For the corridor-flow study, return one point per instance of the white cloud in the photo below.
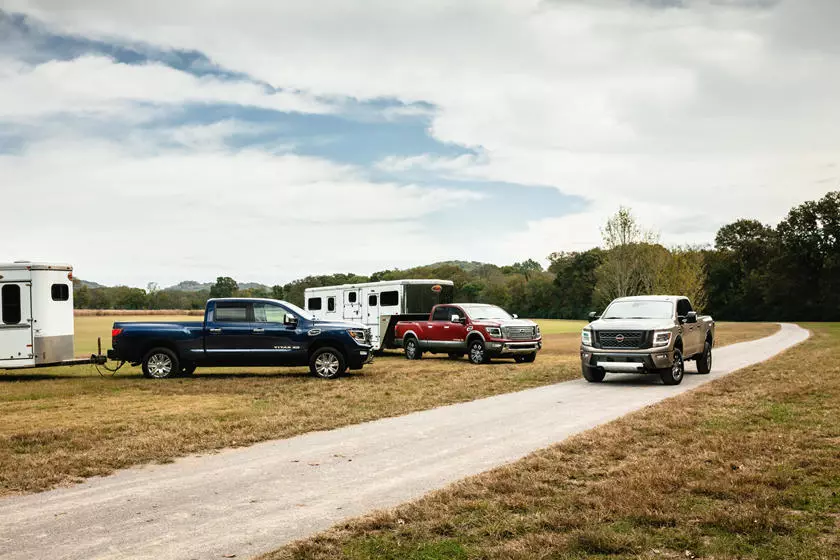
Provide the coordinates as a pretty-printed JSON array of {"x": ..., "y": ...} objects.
[
  {"x": 693, "y": 116},
  {"x": 101, "y": 86}
]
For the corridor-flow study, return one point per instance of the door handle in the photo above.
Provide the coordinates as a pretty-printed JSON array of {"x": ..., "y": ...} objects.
[
  {"x": 215, "y": 331},
  {"x": 259, "y": 331}
]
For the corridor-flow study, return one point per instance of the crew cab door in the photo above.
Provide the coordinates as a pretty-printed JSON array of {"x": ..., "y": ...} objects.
[
  {"x": 276, "y": 338},
  {"x": 15, "y": 321},
  {"x": 228, "y": 337},
  {"x": 443, "y": 333},
  {"x": 692, "y": 332}
]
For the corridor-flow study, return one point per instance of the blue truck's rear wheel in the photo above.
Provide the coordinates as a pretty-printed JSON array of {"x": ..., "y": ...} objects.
[{"x": 161, "y": 363}]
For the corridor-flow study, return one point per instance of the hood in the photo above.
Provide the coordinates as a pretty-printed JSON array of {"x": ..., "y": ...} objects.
[
  {"x": 630, "y": 324},
  {"x": 337, "y": 325},
  {"x": 505, "y": 323}
]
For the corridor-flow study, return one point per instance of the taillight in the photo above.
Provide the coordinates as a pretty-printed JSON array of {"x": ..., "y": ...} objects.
[{"x": 116, "y": 332}]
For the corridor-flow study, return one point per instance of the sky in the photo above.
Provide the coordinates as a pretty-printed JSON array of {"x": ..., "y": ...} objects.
[{"x": 159, "y": 141}]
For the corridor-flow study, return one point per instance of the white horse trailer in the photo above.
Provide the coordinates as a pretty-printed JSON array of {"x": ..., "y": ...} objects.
[
  {"x": 378, "y": 305},
  {"x": 36, "y": 315}
]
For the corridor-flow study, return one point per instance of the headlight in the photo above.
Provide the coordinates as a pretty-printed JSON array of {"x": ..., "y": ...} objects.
[
  {"x": 494, "y": 332},
  {"x": 358, "y": 335},
  {"x": 586, "y": 338},
  {"x": 537, "y": 331},
  {"x": 661, "y": 338}
]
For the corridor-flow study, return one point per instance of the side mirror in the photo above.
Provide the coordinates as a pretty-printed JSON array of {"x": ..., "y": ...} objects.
[
  {"x": 691, "y": 317},
  {"x": 593, "y": 316},
  {"x": 515, "y": 316},
  {"x": 290, "y": 320},
  {"x": 456, "y": 319}
]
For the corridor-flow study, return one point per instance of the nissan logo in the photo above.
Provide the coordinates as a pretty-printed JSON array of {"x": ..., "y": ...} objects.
[{"x": 619, "y": 338}]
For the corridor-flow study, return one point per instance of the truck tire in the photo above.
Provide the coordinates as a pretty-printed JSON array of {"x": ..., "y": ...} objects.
[
  {"x": 327, "y": 363},
  {"x": 674, "y": 374},
  {"x": 412, "y": 349},
  {"x": 161, "y": 363},
  {"x": 704, "y": 360},
  {"x": 526, "y": 358},
  {"x": 477, "y": 353},
  {"x": 591, "y": 374}
]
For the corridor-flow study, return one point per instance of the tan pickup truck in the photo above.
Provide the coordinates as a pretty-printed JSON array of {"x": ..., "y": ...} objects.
[{"x": 647, "y": 334}]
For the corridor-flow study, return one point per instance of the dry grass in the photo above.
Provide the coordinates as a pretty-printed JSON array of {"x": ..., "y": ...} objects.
[
  {"x": 64, "y": 424},
  {"x": 745, "y": 467}
]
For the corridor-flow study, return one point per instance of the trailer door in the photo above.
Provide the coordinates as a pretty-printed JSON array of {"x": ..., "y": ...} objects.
[
  {"x": 15, "y": 321},
  {"x": 353, "y": 305}
]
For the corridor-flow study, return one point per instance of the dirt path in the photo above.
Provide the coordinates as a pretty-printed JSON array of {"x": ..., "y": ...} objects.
[{"x": 246, "y": 501}]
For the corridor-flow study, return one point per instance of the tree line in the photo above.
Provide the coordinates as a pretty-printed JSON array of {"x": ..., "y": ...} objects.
[{"x": 754, "y": 271}]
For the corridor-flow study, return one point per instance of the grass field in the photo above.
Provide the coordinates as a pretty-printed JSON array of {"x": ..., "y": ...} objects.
[
  {"x": 64, "y": 424},
  {"x": 746, "y": 467}
]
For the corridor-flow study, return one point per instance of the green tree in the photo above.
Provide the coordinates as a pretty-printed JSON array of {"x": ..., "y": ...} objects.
[
  {"x": 277, "y": 292},
  {"x": 225, "y": 286}
]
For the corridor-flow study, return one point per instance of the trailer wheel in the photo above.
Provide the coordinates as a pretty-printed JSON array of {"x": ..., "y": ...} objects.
[
  {"x": 327, "y": 363},
  {"x": 161, "y": 363}
]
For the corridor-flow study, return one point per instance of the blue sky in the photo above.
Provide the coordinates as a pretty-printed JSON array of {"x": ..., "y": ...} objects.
[{"x": 273, "y": 141}]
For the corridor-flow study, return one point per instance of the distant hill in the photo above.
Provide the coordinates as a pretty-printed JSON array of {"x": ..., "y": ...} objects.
[
  {"x": 467, "y": 266},
  {"x": 193, "y": 286},
  {"x": 89, "y": 284}
]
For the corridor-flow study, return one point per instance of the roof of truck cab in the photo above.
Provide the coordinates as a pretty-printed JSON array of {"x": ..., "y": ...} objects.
[
  {"x": 382, "y": 283},
  {"x": 651, "y": 298},
  {"x": 26, "y": 265}
]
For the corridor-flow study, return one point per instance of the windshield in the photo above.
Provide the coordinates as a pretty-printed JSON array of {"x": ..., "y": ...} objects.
[
  {"x": 639, "y": 309},
  {"x": 295, "y": 309},
  {"x": 481, "y": 312}
]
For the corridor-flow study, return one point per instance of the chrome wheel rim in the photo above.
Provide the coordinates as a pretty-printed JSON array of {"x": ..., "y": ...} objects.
[
  {"x": 160, "y": 365},
  {"x": 477, "y": 353},
  {"x": 676, "y": 369},
  {"x": 410, "y": 349},
  {"x": 326, "y": 365}
]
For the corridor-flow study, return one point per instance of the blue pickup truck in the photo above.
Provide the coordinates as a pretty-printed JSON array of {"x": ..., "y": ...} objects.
[{"x": 243, "y": 332}]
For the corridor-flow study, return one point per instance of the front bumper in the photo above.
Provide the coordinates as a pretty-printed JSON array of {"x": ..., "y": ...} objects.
[
  {"x": 639, "y": 361},
  {"x": 513, "y": 348}
]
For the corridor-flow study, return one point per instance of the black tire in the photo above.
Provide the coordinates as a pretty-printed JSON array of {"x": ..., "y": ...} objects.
[
  {"x": 455, "y": 355},
  {"x": 525, "y": 358},
  {"x": 327, "y": 363},
  {"x": 704, "y": 360},
  {"x": 591, "y": 374},
  {"x": 187, "y": 369},
  {"x": 477, "y": 353},
  {"x": 411, "y": 347},
  {"x": 674, "y": 374},
  {"x": 161, "y": 363}
]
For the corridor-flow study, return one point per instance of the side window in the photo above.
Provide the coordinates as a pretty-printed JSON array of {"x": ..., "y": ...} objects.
[
  {"x": 441, "y": 314},
  {"x": 314, "y": 304},
  {"x": 11, "y": 304},
  {"x": 60, "y": 292},
  {"x": 373, "y": 301},
  {"x": 231, "y": 313},
  {"x": 389, "y": 298},
  {"x": 267, "y": 313},
  {"x": 683, "y": 307},
  {"x": 351, "y": 297},
  {"x": 455, "y": 311},
  {"x": 331, "y": 303}
]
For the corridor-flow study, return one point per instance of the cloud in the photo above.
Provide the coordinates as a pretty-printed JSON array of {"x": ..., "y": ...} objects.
[{"x": 100, "y": 86}]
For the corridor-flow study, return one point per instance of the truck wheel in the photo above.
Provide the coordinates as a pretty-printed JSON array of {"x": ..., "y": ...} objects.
[
  {"x": 161, "y": 363},
  {"x": 412, "y": 349},
  {"x": 478, "y": 354},
  {"x": 704, "y": 361},
  {"x": 591, "y": 374},
  {"x": 327, "y": 363},
  {"x": 526, "y": 358},
  {"x": 187, "y": 369},
  {"x": 674, "y": 374}
]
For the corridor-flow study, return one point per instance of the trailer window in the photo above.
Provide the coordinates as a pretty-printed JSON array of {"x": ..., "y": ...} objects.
[
  {"x": 236, "y": 313},
  {"x": 372, "y": 300},
  {"x": 351, "y": 297},
  {"x": 11, "y": 304},
  {"x": 389, "y": 298},
  {"x": 330, "y": 304},
  {"x": 60, "y": 292},
  {"x": 314, "y": 304}
]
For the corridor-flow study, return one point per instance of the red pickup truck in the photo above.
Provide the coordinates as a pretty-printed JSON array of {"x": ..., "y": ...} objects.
[{"x": 480, "y": 331}]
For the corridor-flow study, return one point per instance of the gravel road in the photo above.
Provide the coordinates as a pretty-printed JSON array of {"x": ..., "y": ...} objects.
[{"x": 247, "y": 501}]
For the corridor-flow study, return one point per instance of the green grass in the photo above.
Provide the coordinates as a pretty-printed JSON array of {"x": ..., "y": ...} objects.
[{"x": 745, "y": 467}]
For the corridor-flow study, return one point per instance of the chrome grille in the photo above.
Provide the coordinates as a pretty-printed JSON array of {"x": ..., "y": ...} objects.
[
  {"x": 628, "y": 340},
  {"x": 519, "y": 333}
]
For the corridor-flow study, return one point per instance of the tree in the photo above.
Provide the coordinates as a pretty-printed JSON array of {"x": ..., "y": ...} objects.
[
  {"x": 277, "y": 292},
  {"x": 225, "y": 286},
  {"x": 574, "y": 282}
]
